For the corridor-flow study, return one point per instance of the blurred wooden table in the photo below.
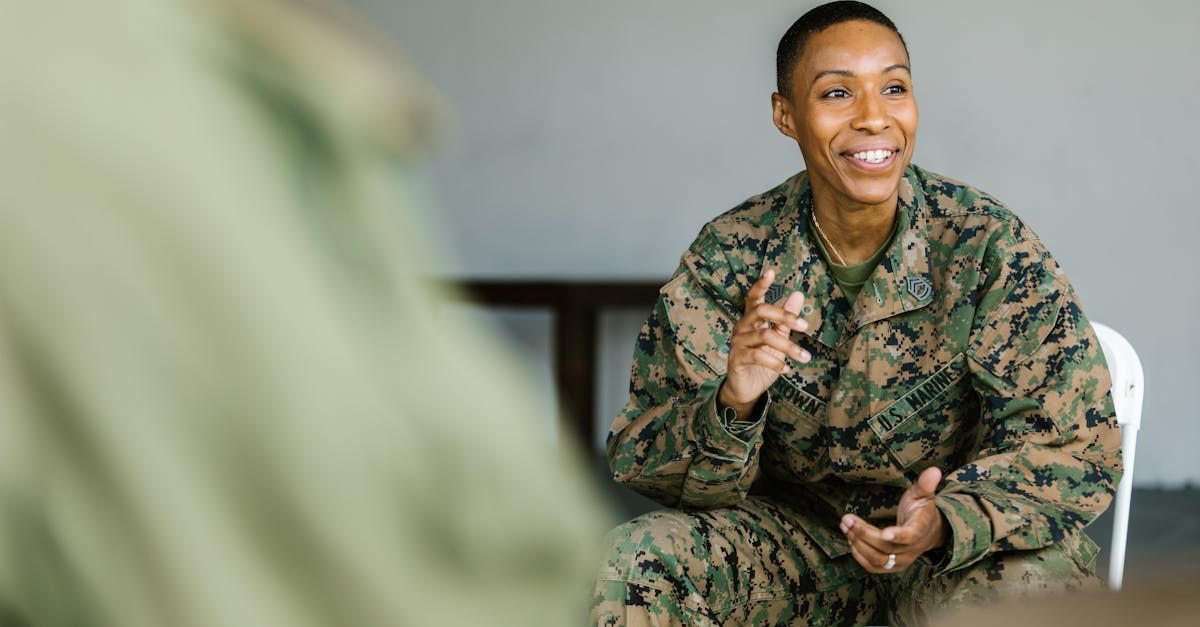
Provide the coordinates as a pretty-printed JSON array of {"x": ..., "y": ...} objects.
[{"x": 575, "y": 307}]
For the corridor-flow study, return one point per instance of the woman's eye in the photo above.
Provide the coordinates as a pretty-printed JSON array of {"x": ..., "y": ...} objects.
[
  {"x": 836, "y": 93},
  {"x": 895, "y": 89}
]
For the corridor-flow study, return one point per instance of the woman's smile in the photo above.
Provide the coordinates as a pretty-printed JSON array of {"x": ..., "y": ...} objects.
[{"x": 872, "y": 159}]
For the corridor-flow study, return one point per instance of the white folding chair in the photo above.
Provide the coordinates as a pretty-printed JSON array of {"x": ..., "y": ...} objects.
[{"x": 1127, "y": 383}]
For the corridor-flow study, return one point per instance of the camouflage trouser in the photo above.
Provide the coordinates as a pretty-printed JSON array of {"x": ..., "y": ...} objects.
[{"x": 752, "y": 565}]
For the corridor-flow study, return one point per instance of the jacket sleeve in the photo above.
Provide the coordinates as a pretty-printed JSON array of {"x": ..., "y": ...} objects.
[
  {"x": 671, "y": 442},
  {"x": 1050, "y": 453}
]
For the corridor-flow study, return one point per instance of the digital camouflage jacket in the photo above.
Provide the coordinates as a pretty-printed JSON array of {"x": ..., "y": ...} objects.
[{"x": 967, "y": 349}]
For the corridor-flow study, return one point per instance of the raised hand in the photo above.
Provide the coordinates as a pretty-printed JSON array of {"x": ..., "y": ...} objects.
[{"x": 761, "y": 346}]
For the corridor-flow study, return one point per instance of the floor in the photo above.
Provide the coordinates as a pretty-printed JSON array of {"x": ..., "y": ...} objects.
[
  {"x": 1163, "y": 542},
  {"x": 1164, "y": 535}
]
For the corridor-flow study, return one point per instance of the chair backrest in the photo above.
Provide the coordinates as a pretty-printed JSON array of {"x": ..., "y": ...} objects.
[
  {"x": 1127, "y": 377},
  {"x": 1128, "y": 382}
]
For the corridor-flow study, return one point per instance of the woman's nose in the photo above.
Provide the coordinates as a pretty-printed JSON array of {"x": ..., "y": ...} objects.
[{"x": 871, "y": 114}]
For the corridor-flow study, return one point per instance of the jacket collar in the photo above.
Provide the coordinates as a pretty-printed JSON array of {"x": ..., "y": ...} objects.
[{"x": 902, "y": 282}]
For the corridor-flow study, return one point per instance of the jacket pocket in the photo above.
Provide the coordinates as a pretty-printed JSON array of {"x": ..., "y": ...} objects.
[
  {"x": 794, "y": 448},
  {"x": 924, "y": 418}
]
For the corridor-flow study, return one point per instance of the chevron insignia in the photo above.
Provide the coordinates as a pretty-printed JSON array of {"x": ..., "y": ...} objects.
[
  {"x": 918, "y": 287},
  {"x": 774, "y": 293}
]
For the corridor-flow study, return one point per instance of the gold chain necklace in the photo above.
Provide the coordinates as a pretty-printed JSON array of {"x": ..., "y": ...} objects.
[{"x": 821, "y": 232}]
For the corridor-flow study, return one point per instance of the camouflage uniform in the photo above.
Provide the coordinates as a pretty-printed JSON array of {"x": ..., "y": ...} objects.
[
  {"x": 226, "y": 396},
  {"x": 967, "y": 349}
]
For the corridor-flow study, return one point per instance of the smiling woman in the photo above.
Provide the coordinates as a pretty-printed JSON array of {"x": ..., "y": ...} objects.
[
  {"x": 850, "y": 107},
  {"x": 920, "y": 418}
]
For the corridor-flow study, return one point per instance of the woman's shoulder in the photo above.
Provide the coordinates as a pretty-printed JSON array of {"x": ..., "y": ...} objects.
[
  {"x": 965, "y": 206},
  {"x": 949, "y": 197},
  {"x": 762, "y": 211},
  {"x": 733, "y": 243}
]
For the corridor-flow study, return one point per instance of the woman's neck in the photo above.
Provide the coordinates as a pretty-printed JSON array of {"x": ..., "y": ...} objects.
[{"x": 855, "y": 232}]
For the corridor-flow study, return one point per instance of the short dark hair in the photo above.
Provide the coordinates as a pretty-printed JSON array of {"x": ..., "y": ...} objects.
[{"x": 791, "y": 46}]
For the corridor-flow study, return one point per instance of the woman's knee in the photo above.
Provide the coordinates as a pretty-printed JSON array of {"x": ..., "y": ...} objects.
[
  {"x": 1059, "y": 568},
  {"x": 651, "y": 572},
  {"x": 652, "y": 544}
]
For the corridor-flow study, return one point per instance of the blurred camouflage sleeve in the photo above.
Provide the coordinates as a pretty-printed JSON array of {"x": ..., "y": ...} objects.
[
  {"x": 228, "y": 394},
  {"x": 671, "y": 441},
  {"x": 1050, "y": 449}
]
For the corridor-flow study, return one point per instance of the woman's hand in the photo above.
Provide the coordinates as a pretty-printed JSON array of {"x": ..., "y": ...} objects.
[
  {"x": 760, "y": 346},
  {"x": 919, "y": 527}
]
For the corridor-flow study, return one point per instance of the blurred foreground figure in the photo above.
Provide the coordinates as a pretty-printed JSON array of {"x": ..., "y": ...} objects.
[{"x": 225, "y": 398}]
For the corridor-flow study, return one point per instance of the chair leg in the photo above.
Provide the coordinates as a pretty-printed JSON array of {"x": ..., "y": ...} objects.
[{"x": 1116, "y": 562}]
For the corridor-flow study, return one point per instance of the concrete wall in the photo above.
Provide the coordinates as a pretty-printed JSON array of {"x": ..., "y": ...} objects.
[{"x": 594, "y": 139}]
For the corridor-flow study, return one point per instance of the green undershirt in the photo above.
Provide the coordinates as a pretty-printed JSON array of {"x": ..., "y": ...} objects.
[{"x": 852, "y": 278}]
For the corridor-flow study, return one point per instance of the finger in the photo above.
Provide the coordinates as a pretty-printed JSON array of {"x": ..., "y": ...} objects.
[
  {"x": 794, "y": 303},
  {"x": 765, "y": 312},
  {"x": 872, "y": 555},
  {"x": 758, "y": 291},
  {"x": 780, "y": 343},
  {"x": 765, "y": 340},
  {"x": 901, "y": 536},
  {"x": 762, "y": 358},
  {"x": 927, "y": 483},
  {"x": 757, "y": 355},
  {"x": 919, "y": 496},
  {"x": 859, "y": 530},
  {"x": 853, "y": 524},
  {"x": 792, "y": 307},
  {"x": 774, "y": 352},
  {"x": 874, "y": 562},
  {"x": 863, "y": 560}
]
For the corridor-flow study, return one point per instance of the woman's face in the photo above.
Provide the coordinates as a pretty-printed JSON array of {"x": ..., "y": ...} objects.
[{"x": 851, "y": 110}]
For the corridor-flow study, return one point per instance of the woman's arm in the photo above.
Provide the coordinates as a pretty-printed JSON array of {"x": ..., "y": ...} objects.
[
  {"x": 673, "y": 441},
  {"x": 1050, "y": 451}
]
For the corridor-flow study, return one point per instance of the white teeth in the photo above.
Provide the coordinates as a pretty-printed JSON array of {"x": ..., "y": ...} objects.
[{"x": 873, "y": 156}]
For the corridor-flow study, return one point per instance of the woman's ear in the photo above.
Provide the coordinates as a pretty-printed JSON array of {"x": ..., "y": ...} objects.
[{"x": 784, "y": 117}]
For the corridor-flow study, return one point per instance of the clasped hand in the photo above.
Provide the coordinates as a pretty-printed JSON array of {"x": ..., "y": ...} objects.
[{"x": 919, "y": 527}]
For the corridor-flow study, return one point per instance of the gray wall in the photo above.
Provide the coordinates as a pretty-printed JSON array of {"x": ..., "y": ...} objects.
[{"x": 594, "y": 139}]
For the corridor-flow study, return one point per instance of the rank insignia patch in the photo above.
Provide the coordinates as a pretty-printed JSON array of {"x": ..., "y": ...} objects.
[{"x": 918, "y": 287}]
